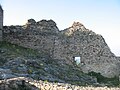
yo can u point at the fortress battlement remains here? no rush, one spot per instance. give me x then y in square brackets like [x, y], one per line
[1, 22]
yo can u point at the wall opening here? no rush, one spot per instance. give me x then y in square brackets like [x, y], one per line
[77, 60]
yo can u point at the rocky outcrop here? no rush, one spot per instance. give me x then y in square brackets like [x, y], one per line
[19, 83]
[6, 74]
[75, 41]
[22, 83]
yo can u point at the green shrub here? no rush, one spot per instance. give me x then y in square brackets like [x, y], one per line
[30, 71]
[101, 79]
[16, 50]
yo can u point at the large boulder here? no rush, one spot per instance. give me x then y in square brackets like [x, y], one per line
[6, 73]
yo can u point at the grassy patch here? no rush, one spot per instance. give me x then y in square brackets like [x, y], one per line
[108, 81]
[15, 50]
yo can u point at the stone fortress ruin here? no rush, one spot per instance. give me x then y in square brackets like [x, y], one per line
[1, 22]
[75, 43]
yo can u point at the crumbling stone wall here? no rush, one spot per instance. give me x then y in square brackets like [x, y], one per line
[36, 35]
[1, 22]
[75, 41]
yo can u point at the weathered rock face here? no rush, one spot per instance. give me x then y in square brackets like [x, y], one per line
[75, 41]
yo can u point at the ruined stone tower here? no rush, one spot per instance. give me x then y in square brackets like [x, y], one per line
[1, 22]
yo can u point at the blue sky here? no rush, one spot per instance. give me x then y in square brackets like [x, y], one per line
[101, 16]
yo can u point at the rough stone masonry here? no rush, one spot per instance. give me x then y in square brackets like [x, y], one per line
[1, 22]
[65, 45]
